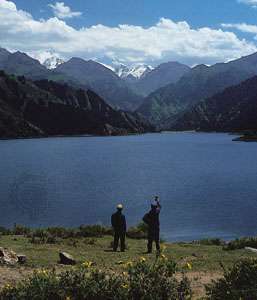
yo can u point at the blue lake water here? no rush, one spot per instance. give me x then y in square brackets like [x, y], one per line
[207, 183]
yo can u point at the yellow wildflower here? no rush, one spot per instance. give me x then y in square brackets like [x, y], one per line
[142, 259]
[129, 264]
[125, 286]
[7, 286]
[87, 264]
[189, 266]
[163, 257]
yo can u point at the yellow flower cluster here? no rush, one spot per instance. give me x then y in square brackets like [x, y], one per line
[189, 266]
[125, 286]
[142, 259]
[7, 286]
[129, 264]
[87, 264]
[163, 257]
[42, 272]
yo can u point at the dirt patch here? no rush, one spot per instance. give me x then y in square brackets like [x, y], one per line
[12, 275]
[199, 279]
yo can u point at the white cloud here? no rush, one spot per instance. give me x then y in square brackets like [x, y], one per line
[242, 27]
[252, 3]
[62, 11]
[166, 40]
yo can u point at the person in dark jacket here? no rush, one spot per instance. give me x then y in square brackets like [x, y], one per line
[119, 225]
[153, 222]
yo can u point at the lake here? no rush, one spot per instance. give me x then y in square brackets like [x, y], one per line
[207, 183]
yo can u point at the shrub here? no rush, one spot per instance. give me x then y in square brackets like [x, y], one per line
[61, 232]
[239, 282]
[241, 243]
[42, 236]
[42, 285]
[21, 230]
[211, 242]
[92, 231]
[141, 281]
[90, 241]
[4, 231]
[157, 281]
[138, 232]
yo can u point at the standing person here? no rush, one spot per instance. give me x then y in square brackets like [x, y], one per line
[152, 220]
[119, 225]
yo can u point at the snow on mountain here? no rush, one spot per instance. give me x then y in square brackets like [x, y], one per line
[135, 71]
[52, 62]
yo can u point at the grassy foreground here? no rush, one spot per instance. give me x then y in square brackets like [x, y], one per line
[204, 259]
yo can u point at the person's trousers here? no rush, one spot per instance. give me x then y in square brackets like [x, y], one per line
[119, 236]
[153, 236]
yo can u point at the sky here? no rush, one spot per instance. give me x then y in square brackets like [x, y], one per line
[131, 31]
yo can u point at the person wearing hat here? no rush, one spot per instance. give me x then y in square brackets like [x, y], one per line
[119, 226]
[152, 220]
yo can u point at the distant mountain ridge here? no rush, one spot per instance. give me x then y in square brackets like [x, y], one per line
[46, 108]
[21, 64]
[165, 73]
[175, 89]
[168, 103]
[234, 109]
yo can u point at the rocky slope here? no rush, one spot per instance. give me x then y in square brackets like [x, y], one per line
[162, 75]
[103, 81]
[45, 108]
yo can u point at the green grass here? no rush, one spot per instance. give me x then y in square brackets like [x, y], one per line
[201, 257]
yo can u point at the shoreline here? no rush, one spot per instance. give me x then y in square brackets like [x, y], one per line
[136, 232]
[117, 135]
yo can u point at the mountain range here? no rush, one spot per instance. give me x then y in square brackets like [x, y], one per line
[234, 109]
[76, 72]
[170, 96]
[47, 108]
[164, 106]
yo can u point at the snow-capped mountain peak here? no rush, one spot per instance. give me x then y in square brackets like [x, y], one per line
[53, 62]
[136, 71]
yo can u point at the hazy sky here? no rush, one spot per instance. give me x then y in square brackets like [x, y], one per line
[131, 31]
